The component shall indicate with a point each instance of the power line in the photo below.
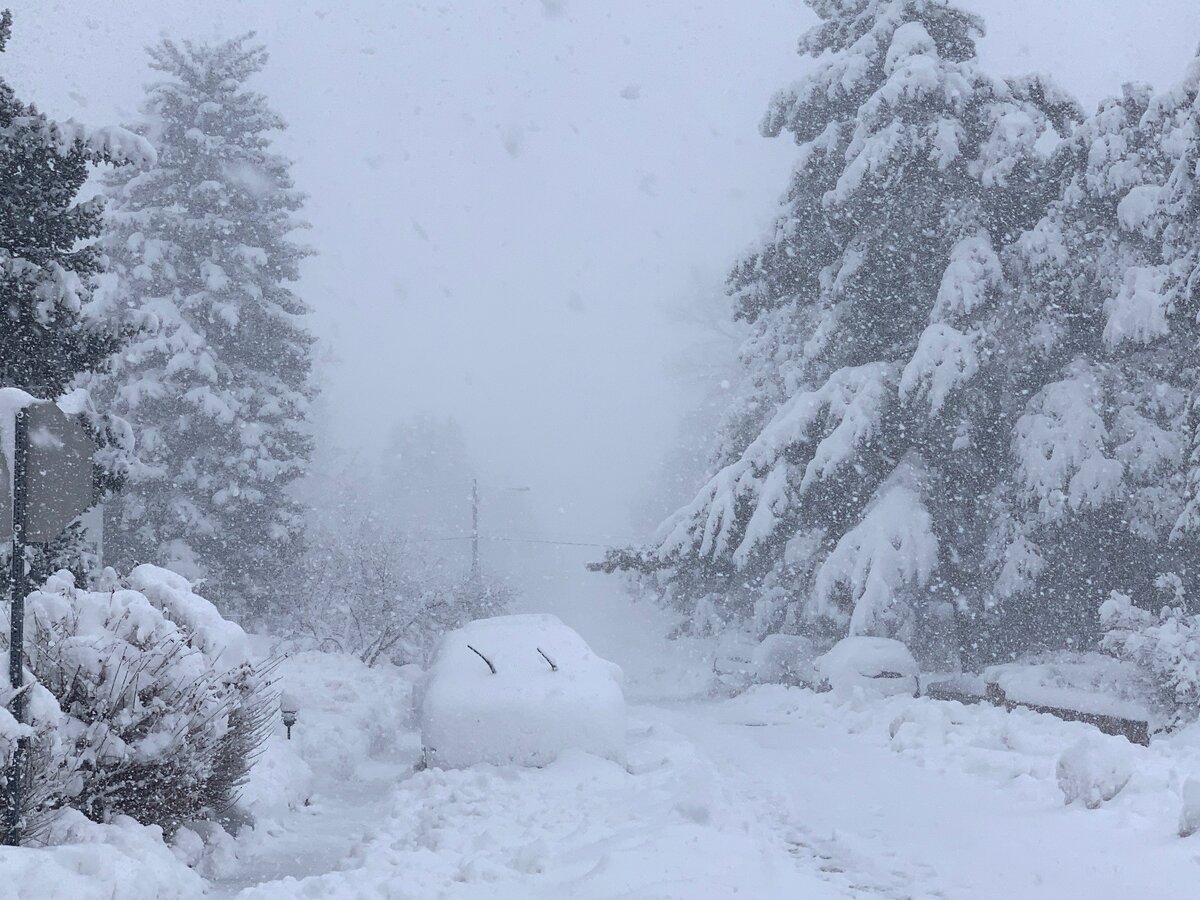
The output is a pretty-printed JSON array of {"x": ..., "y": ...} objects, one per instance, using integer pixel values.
[{"x": 509, "y": 540}]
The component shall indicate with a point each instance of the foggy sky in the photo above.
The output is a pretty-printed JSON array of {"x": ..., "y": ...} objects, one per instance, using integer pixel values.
[{"x": 508, "y": 197}]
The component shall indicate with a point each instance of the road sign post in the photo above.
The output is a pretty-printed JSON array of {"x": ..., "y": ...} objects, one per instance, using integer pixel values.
[
  {"x": 51, "y": 486},
  {"x": 15, "y": 787}
]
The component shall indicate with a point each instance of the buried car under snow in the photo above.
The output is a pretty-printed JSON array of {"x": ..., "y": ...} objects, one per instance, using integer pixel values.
[
  {"x": 519, "y": 689},
  {"x": 872, "y": 664}
]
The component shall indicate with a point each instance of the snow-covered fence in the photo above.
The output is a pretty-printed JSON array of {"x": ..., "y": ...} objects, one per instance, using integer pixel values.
[{"x": 1136, "y": 731}]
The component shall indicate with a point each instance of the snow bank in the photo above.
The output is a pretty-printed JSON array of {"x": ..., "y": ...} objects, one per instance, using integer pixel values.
[
  {"x": 548, "y": 692},
  {"x": 869, "y": 664},
  {"x": 1039, "y": 758},
  {"x": 119, "y": 861}
]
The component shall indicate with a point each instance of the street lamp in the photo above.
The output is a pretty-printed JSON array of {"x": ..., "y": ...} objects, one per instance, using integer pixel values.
[{"x": 290, "y": 709}]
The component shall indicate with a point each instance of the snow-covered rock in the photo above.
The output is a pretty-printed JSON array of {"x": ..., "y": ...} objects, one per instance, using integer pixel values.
[
  {"x": 874, "y": 665},
  {"x": 519, "y": 689}
]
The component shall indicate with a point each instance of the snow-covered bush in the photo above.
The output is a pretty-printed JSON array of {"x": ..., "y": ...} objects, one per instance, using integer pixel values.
[
  {"x": 1166, "y": 646},
  {"x": 162, "y": 707},
  {"x": 369, "y": 591},
  {"x": 1093, "y": 771},
  {"x": 45, "y": 780}
]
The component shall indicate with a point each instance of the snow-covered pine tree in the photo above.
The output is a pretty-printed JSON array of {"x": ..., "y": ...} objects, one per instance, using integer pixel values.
[
  {"x": 847, "y": 485},
  {"x": 48, "y": 257},
  {"x": 49, "y": 260},
  {"x": 219, "y": 392},
  {"x": 1177, "y": 115},
  {"x": 1102, "y": 361}
]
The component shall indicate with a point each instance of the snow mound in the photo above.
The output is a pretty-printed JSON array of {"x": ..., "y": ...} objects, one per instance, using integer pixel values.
[
  {"x": 1092, "y": 772},
  {"x": 1189, "y": 815},
  {"x": 548, "y": 693},
  {"x": 119, "y": 861},
  {"x": 873, "y": 665}
]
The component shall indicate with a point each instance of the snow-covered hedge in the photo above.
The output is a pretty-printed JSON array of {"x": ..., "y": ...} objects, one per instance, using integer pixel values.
[{"x": 160, "y": 707}]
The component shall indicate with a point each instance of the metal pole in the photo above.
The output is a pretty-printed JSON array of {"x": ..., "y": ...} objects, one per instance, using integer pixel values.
[
  {"x": 475, "y": 574},
  {"x": 16, "y": 639}
]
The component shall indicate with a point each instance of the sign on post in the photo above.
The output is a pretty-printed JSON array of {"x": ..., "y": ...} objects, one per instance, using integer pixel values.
[
  {"x": 58, "y": 472},
  {"x": 51, "y": 462},
  {"x": 5, "y": 497}
]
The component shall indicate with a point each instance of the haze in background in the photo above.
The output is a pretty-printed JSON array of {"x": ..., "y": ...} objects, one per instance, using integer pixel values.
[{"x": 509, "y": 199}]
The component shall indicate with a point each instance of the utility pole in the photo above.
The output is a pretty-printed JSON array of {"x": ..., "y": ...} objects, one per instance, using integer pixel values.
[{"x": 475, "y": 570}]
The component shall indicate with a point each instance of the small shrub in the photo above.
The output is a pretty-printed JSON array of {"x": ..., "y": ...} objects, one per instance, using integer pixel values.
[{"x": 372, "y": 593}]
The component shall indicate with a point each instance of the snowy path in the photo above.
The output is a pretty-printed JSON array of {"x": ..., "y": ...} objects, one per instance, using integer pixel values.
[
  {"x": 317, "y": 838},
  {"x": 779, "y": 794}
]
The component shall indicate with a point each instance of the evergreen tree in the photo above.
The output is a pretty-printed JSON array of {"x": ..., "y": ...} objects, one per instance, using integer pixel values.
[
  {"x": 219, "y": 391},
  {"x": 1177, "y": 221},
  {"x": 850, "y": 483},
  {"x": 1092, "y": 487},
  {"x": 48, "y": 256},
  {"x": 48, "y": 265}
]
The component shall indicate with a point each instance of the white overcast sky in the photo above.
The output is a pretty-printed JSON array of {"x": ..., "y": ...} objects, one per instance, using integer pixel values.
[{"x": 508, "y": 195}]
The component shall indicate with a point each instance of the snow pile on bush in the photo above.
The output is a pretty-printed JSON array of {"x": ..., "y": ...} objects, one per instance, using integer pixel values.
[
  {"x": 519, "y": 689},
  {"x": 162, "y": 708},
  {"x": 1166, "y": 646},
  {"x": 871, "y": 665},
  {"x": 1093, "y": 772},
  {"x": 87, "y": 861}
]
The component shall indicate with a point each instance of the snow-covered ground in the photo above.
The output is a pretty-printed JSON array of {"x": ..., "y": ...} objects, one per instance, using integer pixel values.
[{"x": 780, "y": 792}]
